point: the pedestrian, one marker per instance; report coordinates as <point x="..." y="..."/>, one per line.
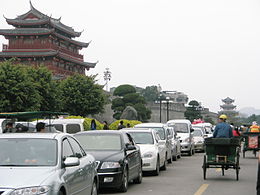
<point x="254" y="128"/>
<point x="128" y="125"/>
<point x="9" y="128"/>
<point x="236" y="132"/>
<point x="222" y="129"/>
<point x="121" y="125"/>
<point x="40" y="127"/>
<point x="93" y="125"/>
<point x="105" y="127"/>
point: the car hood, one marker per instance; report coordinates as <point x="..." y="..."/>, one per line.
<point x="146" y="148"/>
<point x="107" y="155"/>
<point x="183" y="136"/>
<point x="18" y="177"/>
<point x="198" y="138"/>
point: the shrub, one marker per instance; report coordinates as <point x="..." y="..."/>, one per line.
<point x="114" y="125"/>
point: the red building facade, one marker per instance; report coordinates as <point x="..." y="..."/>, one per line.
<point x="39" y="39"/>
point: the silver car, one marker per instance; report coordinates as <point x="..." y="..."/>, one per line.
<point x="45" y="163"/>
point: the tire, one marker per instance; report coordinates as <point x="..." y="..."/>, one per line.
<point x="170" y="159"/>
<point x="94" y="190"/>
<point x="190" y="152"/>
<point x="179" y="156"/>
<point x="139" y="179"/>
<point x="164" y="164"/>
<point x="61" y="193"/>
<point x="124" y="185"/>
<point x="174" y="158"/>
<point x="157" y="170"/>
<point x="204" y="168"/>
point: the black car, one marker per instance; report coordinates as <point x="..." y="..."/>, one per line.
<point x="118" y="157"/>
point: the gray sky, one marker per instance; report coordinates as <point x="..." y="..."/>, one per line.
<point x="204" y="48"/>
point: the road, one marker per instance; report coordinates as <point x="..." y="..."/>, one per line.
<point x="185" y="177"/>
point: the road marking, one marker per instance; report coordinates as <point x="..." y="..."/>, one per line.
<point x="202" y="189"/>
<point x="218" y="170"/>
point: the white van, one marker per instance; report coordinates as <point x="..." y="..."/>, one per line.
<point x="65" y="125"/>
<point x="184" y="130"/>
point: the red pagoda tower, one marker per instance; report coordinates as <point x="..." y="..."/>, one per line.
<point x="39" y="39"/>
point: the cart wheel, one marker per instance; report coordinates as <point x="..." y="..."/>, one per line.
<point x="204" y="168"/>
<point x="223" y="169"/>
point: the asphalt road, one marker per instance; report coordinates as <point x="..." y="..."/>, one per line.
<point x="185" y="177"/>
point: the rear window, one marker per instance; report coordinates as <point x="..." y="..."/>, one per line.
<point x="59" y="127"/>
<point x="181" y="127"/>
<point x="73" y="128"/>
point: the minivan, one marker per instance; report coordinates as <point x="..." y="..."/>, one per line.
<point x="184" y="130"/>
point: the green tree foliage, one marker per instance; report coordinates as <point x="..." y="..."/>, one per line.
<point x="46" y="87"/>
<point x="192" y="111"/>
<point x="123" y="90"/>
<point x="128" y="97"/>
<point x="18" y="89"/>
<point x="81" y="95"/>
<point x="150" y="93"/>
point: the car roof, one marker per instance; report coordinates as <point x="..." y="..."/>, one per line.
<point x="33" y="135"/>
<point x="179" y="121"/>
<point x="137" y="129"/>
<point x="99" y="132"/>
<point x="150" y="125"/>
<point x="60" y="121"/>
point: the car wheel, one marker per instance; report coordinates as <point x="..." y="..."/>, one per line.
<point x="124" y="185"/>
<point x="94" y="190"/>
<point x="170" y="159"/>
<point x="190" y="152"/>
<point x="157" y="170"/>
<point x="139" y="179"/>
<point x="61" y="193"/>
<point x="174" y="158"/>
<point x="164" y="164"/>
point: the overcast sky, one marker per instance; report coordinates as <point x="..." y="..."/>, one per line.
<point x="208" y="49"/>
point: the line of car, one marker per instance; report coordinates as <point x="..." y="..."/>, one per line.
<point x="60" y="163"/>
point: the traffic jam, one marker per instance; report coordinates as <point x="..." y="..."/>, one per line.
<point x="86" y="162"/>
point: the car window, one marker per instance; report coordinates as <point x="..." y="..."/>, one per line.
<point x="181" y="127"/>
<point x="76" y="148"/>
<point x="73" y="128"/>
<point x="59" y="127"/>
<point x="66" y="149"/>
<point x="197" y="133"/>
<point x="142" y="137"/>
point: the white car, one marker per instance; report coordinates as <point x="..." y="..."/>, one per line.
<point x="176" y="144"/>
<point x="164" y="134"/>
<point x="198" y="137"/>
<point x="152" y="149"/>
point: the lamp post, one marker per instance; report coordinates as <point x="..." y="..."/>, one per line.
<point x="167" y="104"/>
<point x="107" y="77"/>
<point x="160" y="99"/>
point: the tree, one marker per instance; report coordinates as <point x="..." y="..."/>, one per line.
<point x="150" y="93"/>
<point x="47" y="88"/>
<point x="18" y="90"/>
<point x="123" y="90"/>
<point x="192" y="112"/>
<point x="129" y="97"/>
<point x="81" y="95"/>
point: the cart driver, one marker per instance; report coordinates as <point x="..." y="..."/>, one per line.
<point x="222" y="129"/>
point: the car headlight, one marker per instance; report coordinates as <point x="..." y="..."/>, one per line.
<point x="110" y="165"/>
<point x="187" y="139"/>
<point x="31" y="190"/>
<point x="147" y="155"/>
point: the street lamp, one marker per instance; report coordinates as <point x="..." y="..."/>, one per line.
<point x="107" y="77"/>
<point x="167" y="104"/>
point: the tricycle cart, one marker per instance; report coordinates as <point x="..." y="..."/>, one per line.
<point x="251" y="142"/>
<point x="221" y="153"/>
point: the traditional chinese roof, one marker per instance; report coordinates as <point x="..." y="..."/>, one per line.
<point x="228" y="106"/>
<point x="228" y="100"/>
<point x="39" y="31"/>
<point x="34" y="17"/>
<point x="46" y="53"/>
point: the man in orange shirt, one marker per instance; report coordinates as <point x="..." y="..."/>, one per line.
<point x="254" y="128"/>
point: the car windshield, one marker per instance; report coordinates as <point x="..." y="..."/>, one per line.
<point x="142" y="137"/>
<point x="197" y="133"/>
<point x="28" y="152"/>
<point x="100" y="141"/>
<point x="160" y="131"/>
<point x="181" y="127"/>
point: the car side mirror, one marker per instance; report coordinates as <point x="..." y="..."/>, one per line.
<point x="191" y="130"/>
<point x="71" y="162"/>
<point x="130" y="147"/>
